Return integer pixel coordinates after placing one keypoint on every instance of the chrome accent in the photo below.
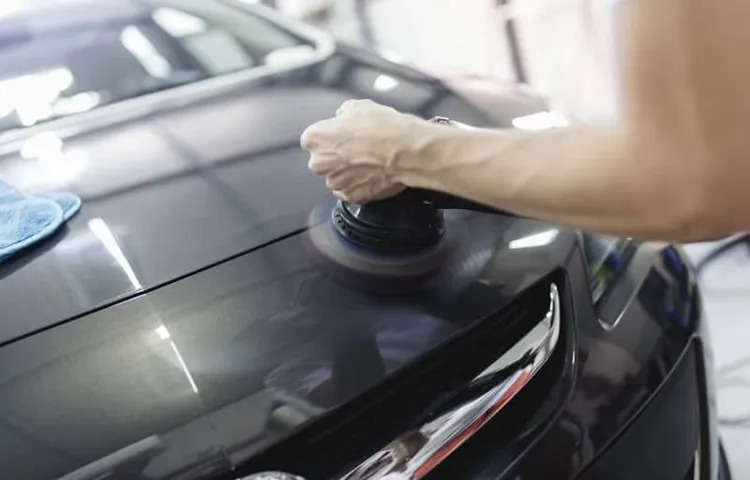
(441, 120)
(636, 276)
(415, 453)
(632, 298)
(697, 461)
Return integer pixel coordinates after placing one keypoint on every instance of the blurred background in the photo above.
(562, 48)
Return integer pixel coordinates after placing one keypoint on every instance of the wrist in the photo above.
(422, 153)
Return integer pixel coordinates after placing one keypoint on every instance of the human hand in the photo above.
(358, 149)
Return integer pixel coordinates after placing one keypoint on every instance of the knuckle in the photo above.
(324, 163)
(314, 165)
(308, 140)
(319, 133)
(354, 104)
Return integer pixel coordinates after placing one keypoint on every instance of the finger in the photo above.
(347, 105)
(361, 195)
(347, 186)
(348, 179)
(350, 197)
(319, 134)
(351, 179)
(325, 163)
(369, 192)
(309, 140)
(354, 103)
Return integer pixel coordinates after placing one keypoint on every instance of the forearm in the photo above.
(675, 167)
(588, 177)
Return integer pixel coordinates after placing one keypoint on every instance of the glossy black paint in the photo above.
(189, 186)
(178, 329)
(595, 388)
(188, 183)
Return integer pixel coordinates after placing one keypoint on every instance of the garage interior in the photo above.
(564, 49)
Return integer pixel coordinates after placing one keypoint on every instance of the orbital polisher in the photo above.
(398, 245)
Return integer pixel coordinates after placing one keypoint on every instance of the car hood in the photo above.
(201, 375)
(181, 181)
(203, 331)
(162, 197)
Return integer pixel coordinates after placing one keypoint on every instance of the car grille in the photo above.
(422, 413)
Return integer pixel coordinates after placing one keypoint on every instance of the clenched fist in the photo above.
(358, 150)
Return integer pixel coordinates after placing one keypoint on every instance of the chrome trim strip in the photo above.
(415, 453)
(633, 296)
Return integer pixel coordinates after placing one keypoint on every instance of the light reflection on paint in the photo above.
(536, 240)
(55, 166)
(100, 229)
(164, 334)
(32, 97)
(133, 39)
(184, 367)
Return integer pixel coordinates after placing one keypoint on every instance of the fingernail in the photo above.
(305, 142)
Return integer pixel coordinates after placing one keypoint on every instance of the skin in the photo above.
(675, 168)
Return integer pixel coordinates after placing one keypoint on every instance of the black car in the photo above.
(179, 328)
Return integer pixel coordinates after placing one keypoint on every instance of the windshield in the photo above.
(79, 55)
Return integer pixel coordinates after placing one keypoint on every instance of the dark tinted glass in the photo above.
(57, 61)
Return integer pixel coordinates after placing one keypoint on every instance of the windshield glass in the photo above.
(78, 55)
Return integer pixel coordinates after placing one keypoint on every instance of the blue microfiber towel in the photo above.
(69, 203)
(26, 219)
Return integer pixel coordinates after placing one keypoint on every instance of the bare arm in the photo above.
(676, 168)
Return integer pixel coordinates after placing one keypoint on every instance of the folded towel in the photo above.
(26, 219)
(69, 203)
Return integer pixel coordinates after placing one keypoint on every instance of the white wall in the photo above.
(464, 35)
(567, 44)
(569, 51)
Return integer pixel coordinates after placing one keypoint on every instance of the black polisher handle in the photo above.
(445, 201)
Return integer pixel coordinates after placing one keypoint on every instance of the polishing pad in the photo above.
(385, 272)
(392, 226)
